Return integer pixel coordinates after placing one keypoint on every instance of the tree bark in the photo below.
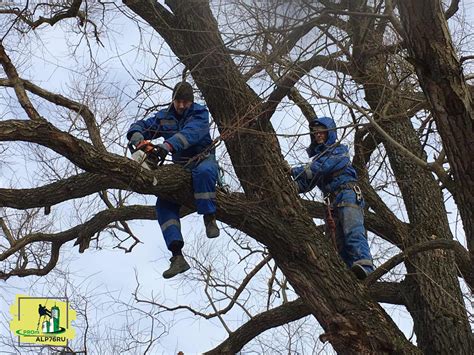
(440, 322)
(270, 211)
(353, 322)
(441, 77)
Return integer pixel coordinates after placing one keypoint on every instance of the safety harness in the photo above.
(329, 217)
(330, 223)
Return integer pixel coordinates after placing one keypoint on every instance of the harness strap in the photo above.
(330, 224)
(347, 186)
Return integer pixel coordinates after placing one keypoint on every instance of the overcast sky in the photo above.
(107, 274)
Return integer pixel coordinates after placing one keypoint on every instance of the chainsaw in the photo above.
(148, 155)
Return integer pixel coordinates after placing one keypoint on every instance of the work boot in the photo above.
(212, 231)
(178, 265)
(360, 272)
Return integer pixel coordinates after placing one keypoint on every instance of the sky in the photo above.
(108, 275)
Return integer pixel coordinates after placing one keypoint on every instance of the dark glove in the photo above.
(136, 138)
(163, 149)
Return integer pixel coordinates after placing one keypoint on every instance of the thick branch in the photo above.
(289, 312)
(82, 153)
(286, 83)
(86, 184)
(85, 230)
(283, 314)
(48, 195)
(453, 8)
(387, 292)
(302, 103)
(80, 108)
(17, 84)
(463, 260)
(154, 13)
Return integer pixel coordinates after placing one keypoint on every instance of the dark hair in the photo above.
(183, 91)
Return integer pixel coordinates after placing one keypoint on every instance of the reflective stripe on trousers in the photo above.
(167, 214)
(204, 185)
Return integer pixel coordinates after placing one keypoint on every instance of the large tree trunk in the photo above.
(436, 303)
(353, 322)
(441, 78)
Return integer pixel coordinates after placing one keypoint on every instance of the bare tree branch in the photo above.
(66, 189)
(289, 312)
(298, 70)
(283, 314)
(463, 260)
(17, 84)
(72, 11)
(453, 8)
(85, 230)
(216, 313)
(80, 108)
(24, 271)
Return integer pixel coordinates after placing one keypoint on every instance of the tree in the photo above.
(441, 77)
(358, 49)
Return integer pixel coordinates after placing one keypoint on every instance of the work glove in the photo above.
(136, 138)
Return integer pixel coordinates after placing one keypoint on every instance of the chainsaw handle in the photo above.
(154, 152)
(134, 147)
(131, 148)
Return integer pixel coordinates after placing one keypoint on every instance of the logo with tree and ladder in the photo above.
(42, 321)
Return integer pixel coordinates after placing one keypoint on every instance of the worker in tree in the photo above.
(185, 127)
(43, 311)
(331, 170)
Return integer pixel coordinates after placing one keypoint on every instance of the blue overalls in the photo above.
(189, 136)
(332, 172)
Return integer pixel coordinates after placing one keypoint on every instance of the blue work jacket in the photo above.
(188, 134)
(330, 167)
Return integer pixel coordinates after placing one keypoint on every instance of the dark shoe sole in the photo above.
(173, 275)
(359, 271)
(212, 236)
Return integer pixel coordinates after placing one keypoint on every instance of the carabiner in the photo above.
(327, 200)
(358, 192)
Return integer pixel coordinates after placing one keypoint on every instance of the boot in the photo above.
(360, 272)
(212, 231)
(178, 265)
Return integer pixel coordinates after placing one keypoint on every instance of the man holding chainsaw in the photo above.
(185, 127)
(331, 170)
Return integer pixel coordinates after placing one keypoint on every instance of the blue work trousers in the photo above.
(351, 237)
(204, 175)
